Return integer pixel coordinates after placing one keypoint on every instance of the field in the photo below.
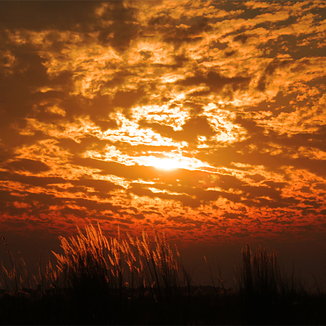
(143, 281)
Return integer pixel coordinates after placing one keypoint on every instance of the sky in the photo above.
(205, 120)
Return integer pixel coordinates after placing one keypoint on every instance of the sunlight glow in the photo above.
(165, 163)
(172, 162)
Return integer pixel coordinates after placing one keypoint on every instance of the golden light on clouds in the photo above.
(164, 163)
(204, 119)
(171, 161)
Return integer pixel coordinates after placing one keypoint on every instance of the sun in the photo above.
(172, 161)
(165, 163)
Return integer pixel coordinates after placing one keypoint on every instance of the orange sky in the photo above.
(204, 119)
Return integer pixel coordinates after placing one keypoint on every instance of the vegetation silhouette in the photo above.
(97, 280)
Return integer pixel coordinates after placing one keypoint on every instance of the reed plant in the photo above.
(259, 272)
(104, 274)
(268, 294)
(258, 281)
(15, 277)
(142, 280)
(118, 263)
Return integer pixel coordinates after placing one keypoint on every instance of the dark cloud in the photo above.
(123, 27)
(18, 86)
(101, 187)
(28, 165)
(127, 100)
(40, 15)
(214, 81)
(241, 38)
(194, 127)
(31, 180)
(271, 67)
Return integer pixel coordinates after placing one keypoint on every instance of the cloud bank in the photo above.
(204, 119)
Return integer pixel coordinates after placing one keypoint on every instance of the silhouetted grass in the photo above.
(143, 281)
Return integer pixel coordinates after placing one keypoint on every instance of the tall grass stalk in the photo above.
(259, 272)
(16, 277)
(95, 278)
(117, 263)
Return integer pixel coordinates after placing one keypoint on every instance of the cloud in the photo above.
(40, 16)
(28, 165)
(203, 118)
